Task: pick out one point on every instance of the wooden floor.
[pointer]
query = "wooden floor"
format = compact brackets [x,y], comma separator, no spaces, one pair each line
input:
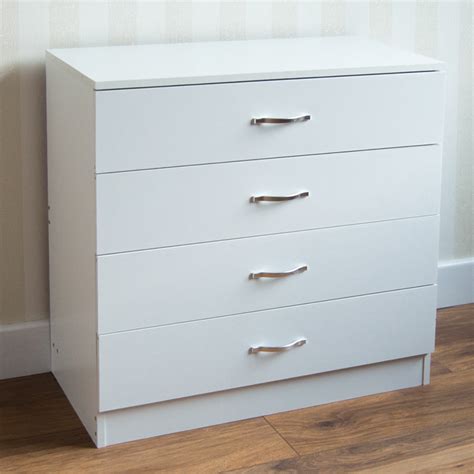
[426,429]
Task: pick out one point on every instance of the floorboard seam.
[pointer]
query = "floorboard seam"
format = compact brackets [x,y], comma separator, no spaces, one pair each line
[282,437]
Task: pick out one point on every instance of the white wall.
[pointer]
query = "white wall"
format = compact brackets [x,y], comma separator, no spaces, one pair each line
[442,29]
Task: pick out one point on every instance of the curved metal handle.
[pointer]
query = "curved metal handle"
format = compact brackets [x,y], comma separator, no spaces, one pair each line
[291,345]
[302,195]
[256,276]
[279,120]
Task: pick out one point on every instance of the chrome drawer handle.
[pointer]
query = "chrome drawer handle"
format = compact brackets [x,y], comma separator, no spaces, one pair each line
[256,276]
[281,120]
[302,195]
[291,345]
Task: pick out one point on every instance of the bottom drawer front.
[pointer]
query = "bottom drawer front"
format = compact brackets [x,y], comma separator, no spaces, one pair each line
[163,363]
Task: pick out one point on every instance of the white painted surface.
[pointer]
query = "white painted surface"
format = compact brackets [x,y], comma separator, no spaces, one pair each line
[72,243]
[170,126]
[453,42]
[456,283]
[175,361]
[200,281]
[220,407]
[24,349]
[427,368]
[211,202]
[177,284]
[196,63]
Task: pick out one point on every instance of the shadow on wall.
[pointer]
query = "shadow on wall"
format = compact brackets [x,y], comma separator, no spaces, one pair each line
[23,193]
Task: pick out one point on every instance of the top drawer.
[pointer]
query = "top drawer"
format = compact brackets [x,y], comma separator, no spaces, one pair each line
[172,126]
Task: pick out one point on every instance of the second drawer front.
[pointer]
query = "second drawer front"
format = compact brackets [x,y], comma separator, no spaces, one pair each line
[158,208]
[176,284]
[153,365]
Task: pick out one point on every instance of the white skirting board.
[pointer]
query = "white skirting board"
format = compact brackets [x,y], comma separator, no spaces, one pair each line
[25,348]
[455,282]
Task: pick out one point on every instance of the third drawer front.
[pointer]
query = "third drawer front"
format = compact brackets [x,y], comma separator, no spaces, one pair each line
[158,208]
[152,365]
[176,284]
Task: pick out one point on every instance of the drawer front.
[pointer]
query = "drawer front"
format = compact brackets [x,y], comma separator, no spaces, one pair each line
[170,126]
[158,208]
[181,360]
[177,284]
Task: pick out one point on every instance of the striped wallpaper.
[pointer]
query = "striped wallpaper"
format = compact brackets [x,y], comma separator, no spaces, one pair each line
[442,29]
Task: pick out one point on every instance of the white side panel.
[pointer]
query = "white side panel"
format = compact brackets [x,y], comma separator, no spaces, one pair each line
[72,240]
[170,126]
[165,207]
[152,365]
[221,407]
[176,284]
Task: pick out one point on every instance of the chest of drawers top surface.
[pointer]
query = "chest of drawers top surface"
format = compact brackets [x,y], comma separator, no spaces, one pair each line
[121,67]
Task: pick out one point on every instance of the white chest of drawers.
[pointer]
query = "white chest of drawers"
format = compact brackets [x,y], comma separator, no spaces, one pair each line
[182,293]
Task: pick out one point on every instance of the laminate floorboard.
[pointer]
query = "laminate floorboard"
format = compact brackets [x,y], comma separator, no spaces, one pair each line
[425,429]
